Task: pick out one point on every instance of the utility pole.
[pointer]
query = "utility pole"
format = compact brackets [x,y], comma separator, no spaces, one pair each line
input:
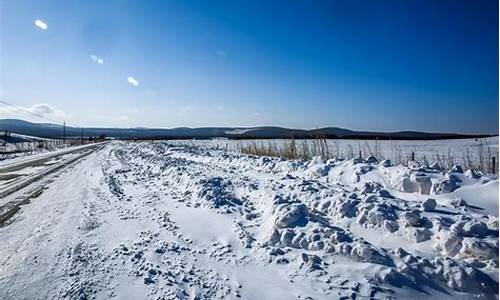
[64,131]
[81,139]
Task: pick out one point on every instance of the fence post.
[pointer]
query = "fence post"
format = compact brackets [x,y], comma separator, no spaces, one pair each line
[493,165]
[360,154]
[413,156]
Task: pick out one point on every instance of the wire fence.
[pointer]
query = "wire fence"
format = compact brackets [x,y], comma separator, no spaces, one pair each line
[478,154]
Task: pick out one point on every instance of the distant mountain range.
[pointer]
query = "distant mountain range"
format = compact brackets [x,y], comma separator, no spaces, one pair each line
[47,130]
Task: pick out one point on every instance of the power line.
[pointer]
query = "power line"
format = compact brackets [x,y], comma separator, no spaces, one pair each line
[37,115]
[30,112]
[45,118]
[42,117]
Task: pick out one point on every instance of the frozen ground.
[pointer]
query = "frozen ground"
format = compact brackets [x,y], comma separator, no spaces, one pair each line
[157,221]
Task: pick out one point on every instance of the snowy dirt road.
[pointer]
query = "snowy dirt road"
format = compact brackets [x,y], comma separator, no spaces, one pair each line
[156,221]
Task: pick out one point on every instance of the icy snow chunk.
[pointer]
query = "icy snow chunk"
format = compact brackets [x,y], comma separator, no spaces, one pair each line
[276,252]
[473,174]
[367,253]
[384,193]
[317,160]
[216,191]
[479,249]
[278,199]
[446,185]
[493,221]
[456,169]
[475,228]
[375,187]
[275,238]
[418,234]
[429,204]
[467,278]
[251,216]
[282,261]
[361,170]
[415,166]
[392,276]
[449,243]
[417,182]
[400,252]
[369,187]
[340,237]
[321,170]
[317,245]
[148,280]
[286,237]
[292,215]
[407,185]
[357,160]
[411,218]
[454,274]
[371,160]
[312,262]
[423,181]
[391,226]
[347,208]
[458,228]
[458,202]
[379,214]
[435,166]
[386,163]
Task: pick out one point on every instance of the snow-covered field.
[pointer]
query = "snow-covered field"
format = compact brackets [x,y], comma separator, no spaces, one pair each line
[163,221]
[477,152]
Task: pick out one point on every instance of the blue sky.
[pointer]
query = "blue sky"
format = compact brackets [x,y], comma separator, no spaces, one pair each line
[372,65]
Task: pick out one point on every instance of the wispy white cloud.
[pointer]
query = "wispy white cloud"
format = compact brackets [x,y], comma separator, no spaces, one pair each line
[97,59]
[133,81]
[256,114]
[41,109]
[41,24]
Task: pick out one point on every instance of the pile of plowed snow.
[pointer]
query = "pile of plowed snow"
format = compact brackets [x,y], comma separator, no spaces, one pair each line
[161,221]
[411,221]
